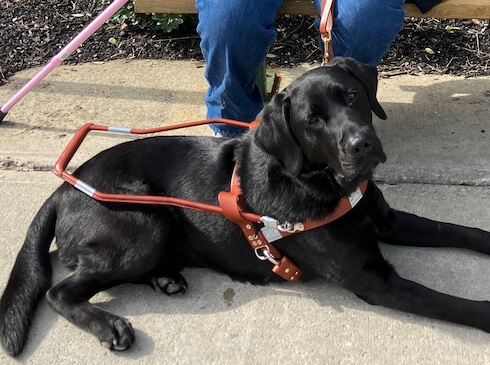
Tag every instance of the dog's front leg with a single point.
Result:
(390, 290)
(401, 228)
(407, 229)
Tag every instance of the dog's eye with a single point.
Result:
(351, 95)
(313, 120)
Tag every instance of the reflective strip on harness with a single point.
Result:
(271, 234)
(119, 130)
(85, 188)
(355, 197)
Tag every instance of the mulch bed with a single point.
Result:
(32, 32)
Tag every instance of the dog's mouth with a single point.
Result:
(350, 169)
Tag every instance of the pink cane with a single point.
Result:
(64, 53)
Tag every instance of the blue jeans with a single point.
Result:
(236, 35)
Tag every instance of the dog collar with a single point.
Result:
(261, 241)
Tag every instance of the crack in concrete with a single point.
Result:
(441, 182)
(387, 178)
(22, 166)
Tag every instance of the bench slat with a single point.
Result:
(454, 9)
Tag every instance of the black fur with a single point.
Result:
(315, 144)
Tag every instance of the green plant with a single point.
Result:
(126, 15)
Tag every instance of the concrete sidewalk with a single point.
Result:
(437, 137)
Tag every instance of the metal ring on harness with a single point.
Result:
(267, 255)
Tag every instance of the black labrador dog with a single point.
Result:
(315, 144)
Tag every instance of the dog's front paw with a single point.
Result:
(175, 284)
(118, 335)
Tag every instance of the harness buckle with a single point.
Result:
(269, 221)
(264, 253)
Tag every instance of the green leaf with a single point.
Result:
(429, 50)
(449, 29)
(112, 40)
(126, 15)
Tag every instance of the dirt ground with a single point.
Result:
(31, 32)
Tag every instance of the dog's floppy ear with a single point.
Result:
(274, 134)
(367, 75)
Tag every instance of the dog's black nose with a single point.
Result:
(358, 145)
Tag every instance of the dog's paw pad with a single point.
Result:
(121, 335)
(169, 286)
(106, 344)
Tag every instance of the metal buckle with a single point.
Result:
(266, 254)
(284, 227)
(269, 221)
(291, 228)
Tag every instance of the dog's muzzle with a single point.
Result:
(359, 155)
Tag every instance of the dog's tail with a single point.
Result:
(29, 280)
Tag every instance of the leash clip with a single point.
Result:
(284, 227)
(291, 228)
(326, 38)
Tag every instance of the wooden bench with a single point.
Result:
(268, 84)
(454, 9)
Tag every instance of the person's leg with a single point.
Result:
(365, 29)
(235, 37)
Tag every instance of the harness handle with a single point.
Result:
(72, 147)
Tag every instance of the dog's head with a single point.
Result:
(324, 119)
